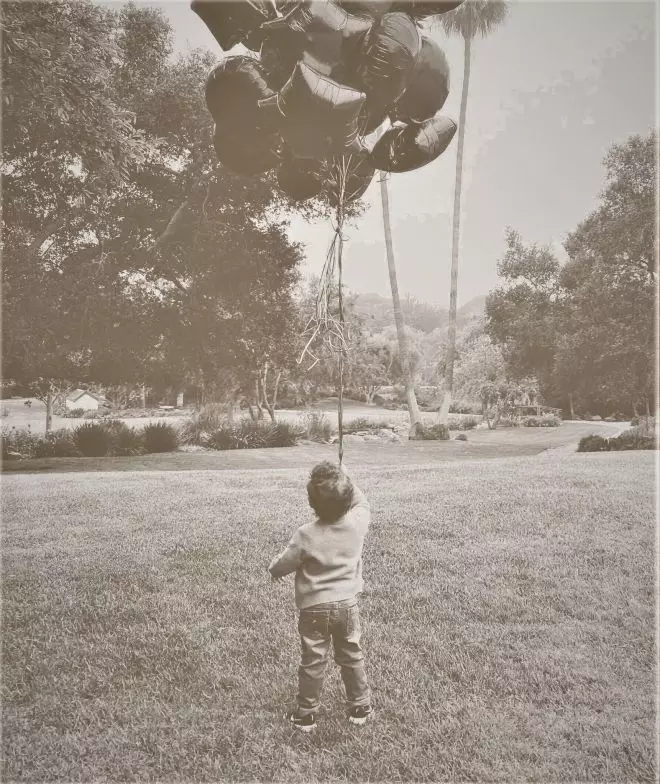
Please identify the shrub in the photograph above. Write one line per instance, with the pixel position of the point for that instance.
(545, 420)
(58, 443)
(631, 439)
(124, 440)
(462, 422)
(248, 434)
(362, 423)
(75, 413)
(159, 437)
(317, 427)
(207, 420)
(91, 415)
(461, 437)
(464, 407)
(431, 433)
(92, 440)
(18, 441)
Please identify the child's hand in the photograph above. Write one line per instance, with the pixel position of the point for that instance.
(274, 579)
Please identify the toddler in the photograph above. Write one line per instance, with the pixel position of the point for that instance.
(326, 556)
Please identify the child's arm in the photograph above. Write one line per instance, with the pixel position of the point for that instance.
(359, 498)
(289, 559)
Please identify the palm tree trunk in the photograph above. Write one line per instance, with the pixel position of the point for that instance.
(456, 235)
(398, 315)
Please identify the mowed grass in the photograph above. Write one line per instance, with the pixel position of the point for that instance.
(508, 623)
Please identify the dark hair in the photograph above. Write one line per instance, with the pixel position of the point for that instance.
(330, 492)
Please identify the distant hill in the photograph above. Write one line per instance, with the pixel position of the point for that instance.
(474, 307)
(377, 313)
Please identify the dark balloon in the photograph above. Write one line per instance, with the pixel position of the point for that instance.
(360, 174)
(246, 152)
(233, 89)
(387, 58)
(421, 9)
(317, 114)
(366, 8)
(428, 86)
(231, 22)
(320, 34)
(403, 149)
(311, 32)
(300, 179)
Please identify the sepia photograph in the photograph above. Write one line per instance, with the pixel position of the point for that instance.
(329, 391)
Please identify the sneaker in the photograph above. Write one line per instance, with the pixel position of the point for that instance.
(305, 723)
(360, 714)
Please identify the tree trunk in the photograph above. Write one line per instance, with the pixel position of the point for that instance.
(257, 390)
(276, 388)
(143, 396)
(49, 409)
(570, 406)
(456, 235)
(413, 410)
(264, 395)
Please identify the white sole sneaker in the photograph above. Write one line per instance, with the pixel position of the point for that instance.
(359, 721)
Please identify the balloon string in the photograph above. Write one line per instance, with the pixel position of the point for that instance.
(340, 249)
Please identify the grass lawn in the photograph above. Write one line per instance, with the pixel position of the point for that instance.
(508, 623)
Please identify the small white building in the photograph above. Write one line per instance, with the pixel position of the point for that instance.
(81, 398)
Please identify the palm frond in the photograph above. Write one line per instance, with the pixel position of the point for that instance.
(475, 17)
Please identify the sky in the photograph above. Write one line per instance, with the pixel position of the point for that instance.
(550, 91)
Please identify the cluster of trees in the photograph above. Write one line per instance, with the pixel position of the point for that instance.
(106, 136)
(586, 329)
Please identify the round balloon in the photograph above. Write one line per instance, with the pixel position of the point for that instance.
(318, 115)
(428, 86)
(300, 178)
(230, 23)
(407, 147)
(234, 88)
(387, 57)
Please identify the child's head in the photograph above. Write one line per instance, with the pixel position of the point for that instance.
(330, 492)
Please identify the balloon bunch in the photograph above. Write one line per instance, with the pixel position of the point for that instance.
(324, 75)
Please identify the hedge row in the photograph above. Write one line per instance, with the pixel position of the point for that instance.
(629, 440)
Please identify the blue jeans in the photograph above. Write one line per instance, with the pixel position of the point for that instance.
(337, 623)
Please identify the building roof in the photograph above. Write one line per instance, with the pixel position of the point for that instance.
(78, 393)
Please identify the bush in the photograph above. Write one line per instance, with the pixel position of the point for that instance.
(92, 440)
(464, 407)
(248, 434)
(75, 413)
(18, 441)
(463, 422)
(362, 423)
(545, 420)
(317, 426)
(631, 439)
(124, 440)
(207, 420)
(593, 444)
(159, 437)
(431, 433)
(57, 443)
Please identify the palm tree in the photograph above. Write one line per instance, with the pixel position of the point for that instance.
(413, 410)
(472, 18)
